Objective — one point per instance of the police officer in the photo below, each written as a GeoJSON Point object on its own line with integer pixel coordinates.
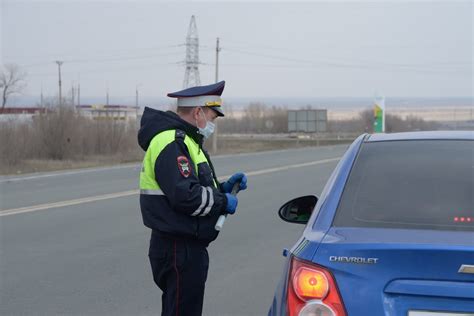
{"type": "Point", "coordinates": [180, 196]}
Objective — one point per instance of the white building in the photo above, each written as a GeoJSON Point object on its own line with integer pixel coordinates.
{"type": "Point", "coordinates": [109, 112]}
{"type": "Point", "coordinates": [20, 113]}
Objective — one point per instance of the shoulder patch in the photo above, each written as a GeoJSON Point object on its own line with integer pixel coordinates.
{"type": "Point", "coordinates": [184, 166]}
{"type": "Point", "coordinates": [180, 134]}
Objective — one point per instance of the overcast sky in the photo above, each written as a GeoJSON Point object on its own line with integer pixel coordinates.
{"type": "Point", "coordinates": [275, 49]}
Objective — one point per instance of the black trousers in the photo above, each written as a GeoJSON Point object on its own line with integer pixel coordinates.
{"type": "Point", "coordinates": [179, 269]}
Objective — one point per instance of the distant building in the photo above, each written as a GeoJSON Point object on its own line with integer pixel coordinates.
{"type": "Point", "coordinates": [123, 113]}
{"type": "Point", "coordinates": [21, 113]}
{"type": "Point", "coordinates": [109, 112]}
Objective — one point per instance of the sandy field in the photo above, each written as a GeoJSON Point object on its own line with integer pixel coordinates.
{"type": "Point", "coordinates": [439, 114]}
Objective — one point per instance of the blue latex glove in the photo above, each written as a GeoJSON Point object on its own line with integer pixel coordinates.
{"type": "Point", "coordinates": [231, 203]}
{"type": "Point", "coordinates": [239, 176]}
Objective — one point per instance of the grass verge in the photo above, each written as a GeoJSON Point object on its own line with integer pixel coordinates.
{"type": "Point", "coordinates": [230, 145]}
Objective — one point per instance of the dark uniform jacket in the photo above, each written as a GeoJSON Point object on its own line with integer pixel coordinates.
{"type": "Point", "coordinates": [191, 202]}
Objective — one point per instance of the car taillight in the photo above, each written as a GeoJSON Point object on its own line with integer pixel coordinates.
{"type": "Point", "coordinates": [312, 291]}
{"type": "Point", "coordinates": [310, 283]}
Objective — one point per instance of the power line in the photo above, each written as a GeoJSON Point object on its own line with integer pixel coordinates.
{"type": "Point", "coordinates": [110, 59]}
{"type": "Point", "coordinates": [102, 60]}
{"type": "Point", "coordinates": [311, 67]}
{"type": "Point", "coordinates": [51, 55]}
{"type": "Point", "coordinates": [247, 45]}
{"type": "Point", "coordinates": [139, 57]}
{"type": "Point", "coordinates": [343, 60]}
{"type": "Point", "coordinates": [336, 64]}
{"type": "Point", "coordinates": [147, 67]}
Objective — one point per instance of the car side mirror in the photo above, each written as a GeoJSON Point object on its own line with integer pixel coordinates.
{"type": "Point", "coordinates": [298, 210]}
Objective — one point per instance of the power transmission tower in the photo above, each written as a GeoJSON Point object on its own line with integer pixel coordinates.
{"type": "Point", "coordinates": [191, 76]}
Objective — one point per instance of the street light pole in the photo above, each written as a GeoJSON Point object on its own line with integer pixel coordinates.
{"type": "Point", "coordinates": [73, 94]}
{"type": "Point", "coordinates": [59, 62]}
{"type": "Point", "coordinates": [41, 98]}
{"type": "Point", "coordinates": [78, 89]}
{"type": "Point", "coordinates": [136, 97]}
{"type": "Point", "coordinates": [136, 100]}
{"type": "Point", "coordinates": [218, 49]}
{"type": "Point", "coordinates": [214, 138]}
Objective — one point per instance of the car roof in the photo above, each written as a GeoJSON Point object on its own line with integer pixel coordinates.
{"type": "Point", "coordinates": [445, 135]}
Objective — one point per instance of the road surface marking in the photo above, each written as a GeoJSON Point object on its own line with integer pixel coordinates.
{"type": "Point", "coordinates": [33, 176]}
{"type": "Point", "coordinates": [71, 172]}
{"type": "Point", "coordinates": [46, 206]}
{"type": "Point", "coordinates": [66, 203]}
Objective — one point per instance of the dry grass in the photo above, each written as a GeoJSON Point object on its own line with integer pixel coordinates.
{"type": "Point", "coordinates": [225, 146]}
{"type": "Point", "coordinates": [244, 145]}
{"type": "Point", "coordinates": [62, 139]}
{"type": "Point", "coordinates": [44, 165]}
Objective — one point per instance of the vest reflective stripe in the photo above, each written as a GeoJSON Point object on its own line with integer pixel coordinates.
{"type": "Point", "coordinates": [211, 202]}
{"type": "Point", "coordinates": [203, 202]}
{"type": "Point", "coordinates": [151, 192]}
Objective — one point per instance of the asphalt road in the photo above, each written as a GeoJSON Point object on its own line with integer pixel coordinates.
{"type": "Point", "coordinates": [73, 243]}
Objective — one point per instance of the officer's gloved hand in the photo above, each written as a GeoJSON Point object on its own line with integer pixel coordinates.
{"type": "Point", "coordinates": [231, 203]}
{"type": "Point", "coordinates": [229, 184]}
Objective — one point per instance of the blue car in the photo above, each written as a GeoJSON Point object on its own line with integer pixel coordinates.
{"type": "Point", "coordinates": [391, 234]}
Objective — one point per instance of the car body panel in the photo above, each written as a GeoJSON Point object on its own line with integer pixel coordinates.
{"type": "Point", "coordinates": [405, 286]}
{"type": "Point", "coordinates": [451, 135]}
{"type": "Point", "coordinates": [306, 246]}
{"type": "Point", "coordinates": [423, 263]}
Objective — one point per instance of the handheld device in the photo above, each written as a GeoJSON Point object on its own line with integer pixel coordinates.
{"type": "Point", "coordinates": [222, 218]}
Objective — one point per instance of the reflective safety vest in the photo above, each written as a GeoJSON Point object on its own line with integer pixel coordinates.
{"type": "Point", "coordinates": [179, 193]}
{"type": "Point", "coordinates": [148, 183]}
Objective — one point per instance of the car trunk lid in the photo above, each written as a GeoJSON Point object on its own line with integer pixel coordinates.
{"type": "Point", "coordinates": [402, 271]}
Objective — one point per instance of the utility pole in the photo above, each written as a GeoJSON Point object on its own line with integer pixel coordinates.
{"type": "Point", "coordinates": [214, 137]}
{"type": "Point", "coordinates": [59, 62]}
{"type": "Point", "coordinates": [218, 49]}
{"type": "Point", "coordinates": [41, 97]}
{"type": "Point", "coordinates": [136, 100]}
{"type": "Point", "coordinates": [78, 89]}
{"type": "Point", "coordinates": [73, 94]}
{"type": "Point", "coordinates": [79, 93]}
{"type": "Point", "coordinates": [107, 96]}
{"type": "Point", "coordinates": [136, 96]}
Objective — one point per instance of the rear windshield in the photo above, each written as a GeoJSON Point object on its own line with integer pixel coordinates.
{"type": "Point", "coordinates": [411, 184]}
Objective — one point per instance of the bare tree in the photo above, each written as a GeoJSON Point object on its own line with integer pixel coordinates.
{"type": "Point", "coordinates": [12, 80]}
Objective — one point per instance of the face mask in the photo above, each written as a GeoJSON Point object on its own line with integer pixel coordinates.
{"type": "Point", "coordinates": [208, 129]}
